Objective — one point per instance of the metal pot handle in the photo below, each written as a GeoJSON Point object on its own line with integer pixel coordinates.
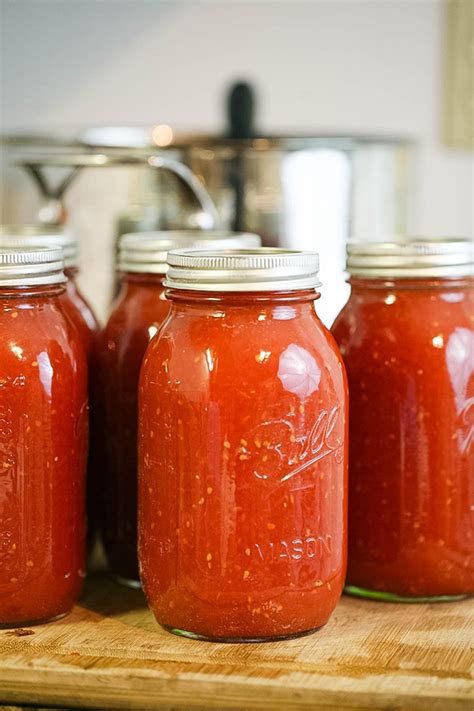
{"type": "Point", "coordinates": [191, 181]}
{"type": "Point", "coordinates": [53, 212]}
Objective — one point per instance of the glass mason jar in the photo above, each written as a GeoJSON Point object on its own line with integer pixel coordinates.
{"type": "Point", "coordinates": [79, 311]}
{"type": "Point", "coordinates": [407, 338]}
{"type": "Point", "coordinates": [43, 441]}
{"type": "Point", "coordinates": [242, 451]}
{"type": "Point", "coordinates": [139, 310]}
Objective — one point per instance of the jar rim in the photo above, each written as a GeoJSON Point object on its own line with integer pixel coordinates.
{"type": "Point", "coordinates": [31, 267]}
{"type": "Point", "coordinates": [243, 270]}
{"type": "Point", "coordinates": [26, 236]}
{"type": "Point", "coordinates": [147, 252]}
{"type": "Point", "coordinates": [411, 257]}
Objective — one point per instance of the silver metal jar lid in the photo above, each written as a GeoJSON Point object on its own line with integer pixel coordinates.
{"type": "Point", "coordinates": [31, 267]}
{"type": "Point", "coordinates": [20, 237]}
{"type": "Point", "coordinates": [412, 257]}
{"type": "Point", "coordinates": [146, 252]}
{"type": "Point", "coordinates": [263, 269]}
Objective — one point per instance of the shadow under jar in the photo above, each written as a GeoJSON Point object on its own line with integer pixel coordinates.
{"type": "Point", "coordinates": [242, 451]}
{"type": "Point", "coordinates": [407, 338]}
{"type": "Point", "coordinates": [137, 314]}
{"type": "Point", "coordinates": [43, 442]}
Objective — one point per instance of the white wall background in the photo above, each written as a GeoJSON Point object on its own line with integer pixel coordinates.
{"type": "Point", "coordinates": [321, 65]}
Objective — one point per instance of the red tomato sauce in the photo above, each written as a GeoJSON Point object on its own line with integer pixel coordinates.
{"type": "Point", "coordinates": [79, 311]}
{"type": "Point", "coordinates": [409, 353]}
{"type": "Point", "coordinates": [43, 446]}
{"type": "Point", "coordinates": [138, 312]}
{"type": "Point", "coordinates": [242, 507]}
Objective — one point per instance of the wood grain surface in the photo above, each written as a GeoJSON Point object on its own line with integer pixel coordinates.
{"type": "Point", "coordinates": [110, 654]}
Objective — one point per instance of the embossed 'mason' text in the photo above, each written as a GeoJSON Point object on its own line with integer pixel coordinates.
{"type": "Point", "coordinates": [307, 548]}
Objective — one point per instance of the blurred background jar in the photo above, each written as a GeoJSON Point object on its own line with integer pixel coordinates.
{"type": "Point", "coordinates": [77, 308]}
{"type": "Point", "coordinates": [407, 338]}
{"type": "Point", "coordinates": [242, 450]}
{"type": "Point", "coordinates": [43, 441]}
{"type": "Point", "coordinates": [138, 312]}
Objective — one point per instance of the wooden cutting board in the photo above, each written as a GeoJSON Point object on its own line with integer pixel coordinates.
{"type": "Point", "coordinates": [110, 653]}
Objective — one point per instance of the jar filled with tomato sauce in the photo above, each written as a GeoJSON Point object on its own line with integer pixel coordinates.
{"type": "Point", "coordinates": [242, 450]}
{"type": "Point", "coordinates": [138, 311]}
{"type": "Point", "coordinates": [78, 310]}
{"type": "Point", "coordinates": [43, 441]}
{"type": "Point", "coordinates": [407, 338]}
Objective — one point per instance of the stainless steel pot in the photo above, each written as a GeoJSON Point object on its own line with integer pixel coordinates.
{"type": "Point", "coordinates": [306, 192]}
